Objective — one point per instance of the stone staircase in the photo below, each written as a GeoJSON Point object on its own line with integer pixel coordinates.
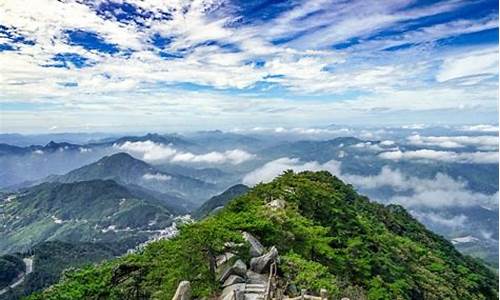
{"type": "Point", "coordinates": [254, 281]}
{"type": "Point", "coordinates": [255, 286]}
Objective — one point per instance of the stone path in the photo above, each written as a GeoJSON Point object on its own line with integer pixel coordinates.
{"type": "Point", "coordinates": [256, 285]}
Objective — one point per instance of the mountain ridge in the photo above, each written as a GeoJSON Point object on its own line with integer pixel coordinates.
{"type": "Point", "coordinates": [328, 236]}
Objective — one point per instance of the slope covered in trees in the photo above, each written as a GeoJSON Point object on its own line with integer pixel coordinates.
{"type": "Point", "coordinates": [328, 236]}
{"type": "Point", "coordinates": [85, 211]}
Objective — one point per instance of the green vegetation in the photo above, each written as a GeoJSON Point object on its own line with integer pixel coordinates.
{"type": "Point", "coordinates": [50, 259]}
{"type": "Point", "coordinates": [327, 235]}
{"type": "Point", "coordinates": [11, 266]}
{"type": "Point", "coordinates": [86, 211]}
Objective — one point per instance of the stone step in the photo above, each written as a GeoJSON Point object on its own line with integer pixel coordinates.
{"type": "Point", "coordinates": [254, 297]}
{"type": "Point", "coordinates": [255, 285]}
{"type": "Point", "coordinates": [255, 290]}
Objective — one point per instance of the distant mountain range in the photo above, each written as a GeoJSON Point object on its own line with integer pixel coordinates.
{"type": "Point", "coordinates": [125, 169]}
{"type": "Point", "coordinates": [182, 186]}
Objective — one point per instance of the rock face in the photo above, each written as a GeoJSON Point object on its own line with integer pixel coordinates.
{"type": "Point", "coordinates": [256, 248]}
{"type": "Point", "coordinates": [233, 279]}
{"type": "Point", "coordinates": [183, 291]}
{"type": "Point", "coordinates": [261, 264]}
{"type": "Point", "coordinates": [239, 268]}
{"type": "Point", "coordinates": [230, 291]}
{"type": "Point", "coordinates": [276, 204]}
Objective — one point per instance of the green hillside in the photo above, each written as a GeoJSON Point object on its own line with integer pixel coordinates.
{"type": "Point", "coordinates": [86, 211]}
{"type": "Point", "coordinates": [50, 259]}
{"type": "Point", "coordinates": [327, 235]}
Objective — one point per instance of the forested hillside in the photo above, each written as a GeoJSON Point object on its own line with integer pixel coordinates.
{"type": "Point", "coordinates": [328, 236]}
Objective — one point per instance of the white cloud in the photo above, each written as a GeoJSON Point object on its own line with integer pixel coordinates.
{"type": "Point", "coordinates": [474, 64]}
{"type": "Point", "coordinates": [439, 220]}
{"type": "Point", "coordinates": [443, 156]}
{"type": "Point", "coordinates": [437, 192]}
{"type": "Point", "coordinates": [445, 197]}
{"type": "Point", "coordinates": [113, 83]}
{"type": "Point", "coordinates": [274, 168]}
{"type": "Point", "coordinates": [481, 128]}
{"type": "Point", "coordinates": [156, 152]}
{"type": "Point", "coordinates": [157, 177]}
{"type": "Point", "coordinates": [369, 146]}
{"type": "Point", "coordinates": [454, 141]}
{"type": "Point", "coordinates": [387, 143]}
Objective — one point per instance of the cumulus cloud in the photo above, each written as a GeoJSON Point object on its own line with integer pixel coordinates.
{"type": "Point", "coordinates": [487, 141]}
{"type": "Point", "coordinates": [443, 156]}
{"type": "Point", "coordinates": [156, 177]}
{"type": "Point", "coordinates": [437, 192]}
{"type": "Point", "coordinates": [204, 49]}
{"type": "Point", "coordinates": [435, 219]}
{"type": "Point", "coordinates": [387, 143]}
{"type": "Point", "coordinates": [274, 168]}
{"type": "Point", "coordinates": [156, 152]}
{"type": "Point", "coordinates": [368, 146]}
{"type": "Point", "coordinates": [446, 197]}
{"type": "Point", "coordinates": [309, 131]}
{"type": "Point", "coordinates": [480, 128]}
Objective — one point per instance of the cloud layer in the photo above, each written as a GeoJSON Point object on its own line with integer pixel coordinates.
{"type": "Point", "coordinates": [443, 156]}
{"type": "Point", "coordinates": [438, 192]}
{"type": "Point", "coordinates": [274, 168]}
{"type": "Point", "coordinates": [76, 60]}
{"type": "Point", "coordinates": [487, 141]}
{"type": "Point", "coordinates": [155, 152]}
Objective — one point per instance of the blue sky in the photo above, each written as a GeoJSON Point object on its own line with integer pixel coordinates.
{"type": "Point", "coordinates": [187, 65]}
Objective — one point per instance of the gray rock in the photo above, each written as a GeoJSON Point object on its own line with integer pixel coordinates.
{"type": "Point", "coordinates": [230, 291]}
{"type": "Point", "coordinates": [223, 258]}
{"type": "Point", "coordinates": [256, 248]}
{"type": "Point", "coordinates": [183, 291]}
{"type": "Point", "coordinates": [233, 279]}
{"type": "Point", "coordinates": [239, 268]}
{"type": "Point", "coordinates": [276, 204]}
{"type": "Point", "coordinates": [261, 264]}
{"type": "Point", "coordinates": [239, 295]}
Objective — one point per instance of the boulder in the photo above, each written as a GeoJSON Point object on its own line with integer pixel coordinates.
{"type": "Point", "coordinates": [256, 248]}
{"type": "Point", "coordinates": [223, 258]}
{"type": "Point", "coordinates": [277, 204]}
{"type": "Point", "coordinates": [233, 279]}
{"type": "Point", "coordinates": [183, 291]}
{"type": "Point", "coordinates": [261, 264]}
{"type": "Point", "coordinates": [238, 268]}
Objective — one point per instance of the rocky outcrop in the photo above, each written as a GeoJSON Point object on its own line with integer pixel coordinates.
{"type": "Point", "coordinates": [233, 279]}
{"type": "Point", "coordinates": [261, 264]}
{"type": "Point", "coordinates": [239, 268]}
{"type": "Point", "coordinates": [256, 248]}
{"type": "Point", "coordinates": [276, 204]}
{"type": "Point", "coordinates": [232, 291]}
{"type": "Point", "coordinates": [183, 291]}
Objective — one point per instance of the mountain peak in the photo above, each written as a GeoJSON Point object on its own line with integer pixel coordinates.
{"type": "Point", "coordinates": [120, 157]}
